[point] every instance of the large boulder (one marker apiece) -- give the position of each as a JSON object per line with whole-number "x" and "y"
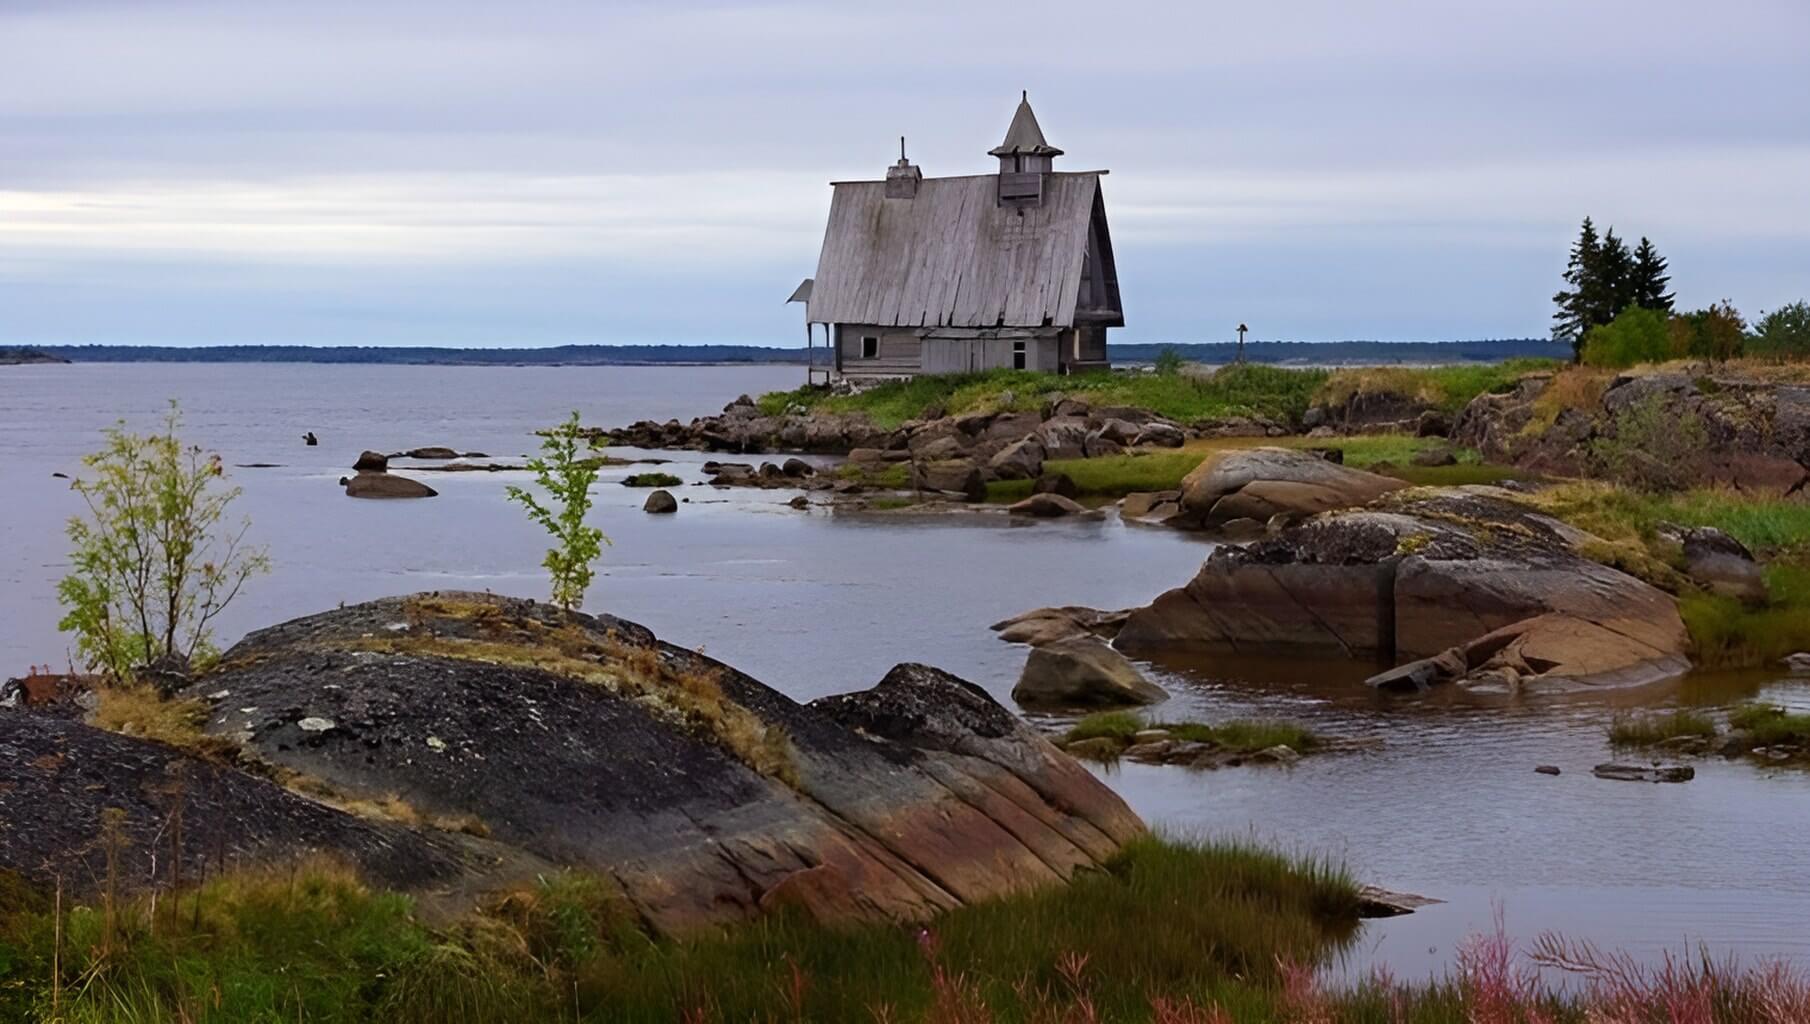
{"x": 661, "y": 502}
{"x": 386, "y": 485}
{"x": 950, "y": 476}
{"x": 1020, "y": 460}
{"x": 1082, "y": 672}
{"x": 1160, "y": 435}
{"x": 1260, "y": 483}
{"x": 1063, "y": 437}
{"x": 1416, "y": 578}
{"x": 371, "y": 462}
{"x": 1719, "y": 563}
{"x": 582, "y": 741}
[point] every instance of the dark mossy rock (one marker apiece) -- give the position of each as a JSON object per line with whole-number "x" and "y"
{"x": 579, "y": 740}
{"x": 59, "y": 781}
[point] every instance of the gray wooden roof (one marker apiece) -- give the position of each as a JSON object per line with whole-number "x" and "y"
{"x": 953, "y": 256}
{"x": 1024, "y": 136}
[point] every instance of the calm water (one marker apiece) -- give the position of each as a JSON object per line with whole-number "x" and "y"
{"x": 814, "y": 604}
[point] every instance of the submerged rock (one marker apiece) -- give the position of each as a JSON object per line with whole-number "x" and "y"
{"x": 1047, "y": 505}
{"x": 386, "y": 485}
{"x": 371, "y": 462}
{"x": 1048, "y": 625}
{"x": 1083, "y": 672}
{"x": 583, "y": 741}
{"x": 1645, "y": 773}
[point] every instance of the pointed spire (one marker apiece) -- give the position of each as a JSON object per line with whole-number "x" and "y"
{"x": 1024, "y": 137}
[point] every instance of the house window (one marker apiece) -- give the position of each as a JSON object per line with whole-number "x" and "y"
{"x": 1017, "y": 355}
{"x": 870, "y": 347}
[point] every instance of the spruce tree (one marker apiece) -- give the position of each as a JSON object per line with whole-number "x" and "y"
{"x": 1651, "y": 278}
{"x": 1573, "y": 317}
{"x": 1615, "y": 280}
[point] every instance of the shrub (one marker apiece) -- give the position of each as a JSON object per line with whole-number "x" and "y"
{"x": 567, "y": 479}
{"x": 154, "y": 561}
{"x": 1653, "y": 448}
{"x": 1168, "y": 361}
{"x": 1783, "y": 333}
{"x": 1636, "y": 336}
{"x": 1717, "y": 333}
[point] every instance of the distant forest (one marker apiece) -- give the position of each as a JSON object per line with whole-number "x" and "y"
{"x": 1369, "y": 352}
{"x": 1365, "y": 352}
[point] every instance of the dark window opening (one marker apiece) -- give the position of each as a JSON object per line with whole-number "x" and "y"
{"x": 1017, "y": 355}
{"x": 870, "y": 347}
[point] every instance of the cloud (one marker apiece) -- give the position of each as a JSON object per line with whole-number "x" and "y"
{"x": 685, "y": 147}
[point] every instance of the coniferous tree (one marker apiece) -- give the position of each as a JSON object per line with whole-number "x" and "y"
{"x": 1651, "y": 278}
{"x": 1575, "y": 302}
{"x": 1615, "y": 280}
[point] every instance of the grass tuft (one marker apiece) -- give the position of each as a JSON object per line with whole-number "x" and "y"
{"x": 1650, "y": 729}
{"x": 1771, "y": 725}
{"x": 1237, "y": 735}
{"x": 651, "y": 480}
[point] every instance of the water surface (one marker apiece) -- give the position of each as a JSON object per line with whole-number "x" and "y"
{"x": 815, "y": 603}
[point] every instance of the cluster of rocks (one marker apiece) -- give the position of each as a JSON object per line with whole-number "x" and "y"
{"x": 1373, "y": 411}
{"x": 1755, "y": 433}
{"x": 743, "y": 428}
{"x": 372, "y": 479}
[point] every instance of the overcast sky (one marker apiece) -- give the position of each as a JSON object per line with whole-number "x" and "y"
{"x": 480, "y": 173}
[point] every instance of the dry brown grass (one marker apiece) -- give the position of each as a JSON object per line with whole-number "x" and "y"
{"x": 388, "y": 807}
{"x": 133, "y": 709}
{"x": 1575, "y": 387}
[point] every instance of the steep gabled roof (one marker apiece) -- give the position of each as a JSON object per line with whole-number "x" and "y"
{"x": 953, "y": 256}
{"x": 1023, "y": 136}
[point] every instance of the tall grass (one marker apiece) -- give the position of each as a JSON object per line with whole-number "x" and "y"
{"x": 1238, "y": 734}
{"x": 1772, "y": 725}
{"x": 1650, "y": 729}
{"x": 1182, "y": 919}
{"x": 1449, "y": 388}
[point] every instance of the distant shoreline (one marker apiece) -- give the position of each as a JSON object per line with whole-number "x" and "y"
{"x": 1271, "y": 352}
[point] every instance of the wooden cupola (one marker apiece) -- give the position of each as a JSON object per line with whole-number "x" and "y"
{"x": 1024, "y": 158}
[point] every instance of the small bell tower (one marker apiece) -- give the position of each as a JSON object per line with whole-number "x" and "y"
{"x": 1024, "y": 158}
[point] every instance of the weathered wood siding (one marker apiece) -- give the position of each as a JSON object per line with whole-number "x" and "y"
{"x": 952, "y": 256}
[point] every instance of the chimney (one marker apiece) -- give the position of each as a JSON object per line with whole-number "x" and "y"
{"x": 902, "y": 178}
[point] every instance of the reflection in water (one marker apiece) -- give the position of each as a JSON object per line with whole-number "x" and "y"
{"x": 816, "y": 603}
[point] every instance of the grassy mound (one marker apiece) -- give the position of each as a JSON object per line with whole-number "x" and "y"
{"x": 1237, "y": 735}
{"x": 1251, "y": 390}
{"x": 651, "y": 480}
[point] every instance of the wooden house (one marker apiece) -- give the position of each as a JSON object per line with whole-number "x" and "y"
{"x": 946, "y": 275}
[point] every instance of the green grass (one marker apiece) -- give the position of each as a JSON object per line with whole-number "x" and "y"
{"x": 651, "y": 480}
{"x": 1650, "y": 729}
{"x": 1114, "y": 476}
{"x": 1772, "y": 725}
{"x": 1769, "y": 526}
{"x": 1209, "y": 921}
{"x": 1251, "y": 390}
{"x": 1243, "y": 736}
{"x": 1276, "y": 393}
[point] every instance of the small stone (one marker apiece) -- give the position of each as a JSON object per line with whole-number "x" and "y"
{"x": 219, "y": 695}
{"x": 1281, "y": 753}
{"x": 1148, "y": 753}
{"x": 313, "y": 724}
{"x": 436, "y": 744}
{"x": 800, "y": 502}
{"x": 1150, "y": 735}
{"x": 1547, "y": 769}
